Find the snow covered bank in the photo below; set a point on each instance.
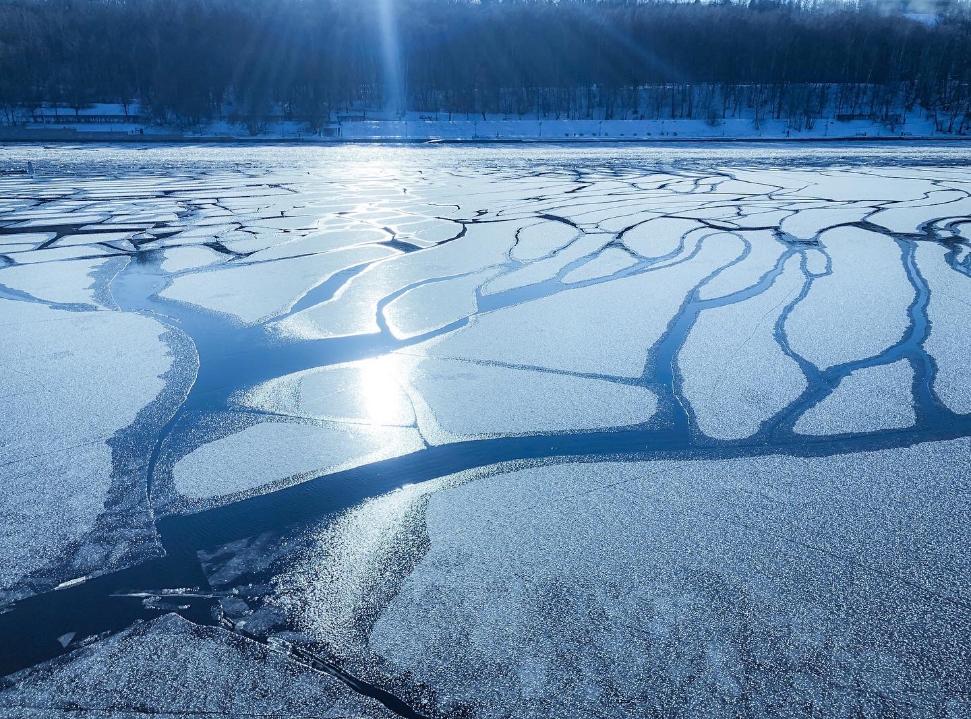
(482, 130)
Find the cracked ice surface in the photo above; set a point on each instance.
(867, 400)
(455, 400)
(859, 309)
(171, 665)
(73, 380)
(525, 302)
(735, 374)
(260, 291)
(949, 342)
(703, 587)
(272, 452)
(604, 328)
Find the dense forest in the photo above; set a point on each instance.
(191, 59)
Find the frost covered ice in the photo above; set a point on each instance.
(268, 453)
(172, 667)
(734, 373)
(762, 354)
(714, 587)
(866, 400)
(453, 400)
(72, 381)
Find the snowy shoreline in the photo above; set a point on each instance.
(106, 124)
(161, 139)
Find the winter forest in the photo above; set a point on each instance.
(187, 61)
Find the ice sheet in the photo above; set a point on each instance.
(590, 589)
(272, 452)
(605, 328)
(71, 381)
(949, 341)
(258, 292)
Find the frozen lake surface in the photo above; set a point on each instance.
(486, 431)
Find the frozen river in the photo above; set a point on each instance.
(486, 431)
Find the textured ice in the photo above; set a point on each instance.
(458, 400)
(764, 251)
(273, 452)
(353, 310)
(907, 217)
(260, 291)
(609, 262)
(434, 305)
(867, 400)
(92, 238)
(605, 328)
(70, 281)
(734, 372)
(548, 267)
(711, 588)
(71, 381)
(535, 241)
(318, 242)
(455, 400)
(173, 667)
(949, 341)
(178, 259)
(807, 224)
(366, 392)
(860, 309)
(54, 254)
(660, 237)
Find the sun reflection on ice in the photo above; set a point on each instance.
(383, 400)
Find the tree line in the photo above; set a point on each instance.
(188, 60)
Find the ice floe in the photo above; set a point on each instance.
(257, 292)
(605, 328)
(713, 586)
(858, 310)
(72, 380)
(266, 454)
(67, 282)
(949, 341)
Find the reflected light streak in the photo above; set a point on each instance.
(383, 401)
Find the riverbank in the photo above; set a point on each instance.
(488, 131)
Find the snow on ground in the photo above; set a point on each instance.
(72, 380)
(172, 667)
(867, 400)
(708, 587)
(858, 310)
